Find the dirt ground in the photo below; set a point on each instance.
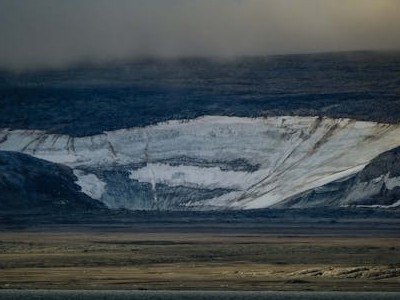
(82, 258)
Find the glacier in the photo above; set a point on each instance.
(212, 162)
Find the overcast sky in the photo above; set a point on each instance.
(54, 33)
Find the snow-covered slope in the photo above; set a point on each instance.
(211, 162)
(376, 186)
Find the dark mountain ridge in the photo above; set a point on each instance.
(87, 100)
(377, 185)
(28, 184)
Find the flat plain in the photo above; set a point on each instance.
(363, 255)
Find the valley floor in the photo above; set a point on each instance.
(316, 256)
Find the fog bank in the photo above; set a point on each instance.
(55, 33)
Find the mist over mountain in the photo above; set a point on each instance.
(199, 134)
(199, 145)
(55, 34)
(87, 100)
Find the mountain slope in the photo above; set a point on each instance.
(377, 185)
(90, 99)
(30, 184)
(212, 162)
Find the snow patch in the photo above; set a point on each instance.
(90, 184)
(392, 183)
(370, 188)
(294, 154)
(394, 205)
(192, 176)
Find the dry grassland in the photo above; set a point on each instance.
(127, 260)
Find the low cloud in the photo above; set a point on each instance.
(55, 33)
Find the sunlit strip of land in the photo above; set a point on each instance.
(192, 261)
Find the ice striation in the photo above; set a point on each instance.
(213, 162)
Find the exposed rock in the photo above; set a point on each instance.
(377, 185)
(30, 184)
(218, 163)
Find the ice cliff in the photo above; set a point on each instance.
(213, 162)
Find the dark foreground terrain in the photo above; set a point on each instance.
(270, 250)
(192, 295)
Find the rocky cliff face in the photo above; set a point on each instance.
(377, 185)
(28, 184)
(220, 162)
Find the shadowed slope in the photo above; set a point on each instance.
(29, 184)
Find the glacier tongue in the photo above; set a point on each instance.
(211, 162)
